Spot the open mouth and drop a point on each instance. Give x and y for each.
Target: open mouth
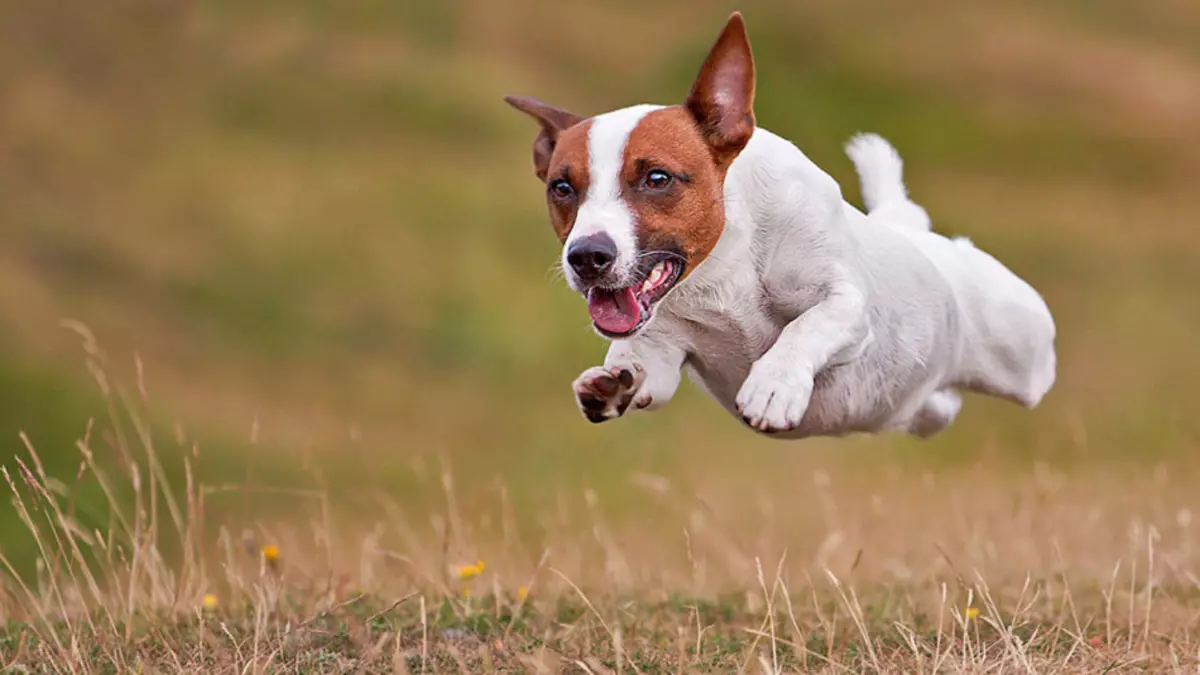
(621, 312)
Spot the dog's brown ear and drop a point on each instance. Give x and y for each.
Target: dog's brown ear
(553, 120)
(722, 98)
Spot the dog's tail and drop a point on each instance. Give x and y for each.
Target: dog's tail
(881, 172)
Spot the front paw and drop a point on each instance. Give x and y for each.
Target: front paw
(605, 392)
(774, 396)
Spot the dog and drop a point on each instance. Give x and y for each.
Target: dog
(703, 242)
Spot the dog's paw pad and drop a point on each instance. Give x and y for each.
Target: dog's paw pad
(605, 393)
(591, 403)
(625, 377)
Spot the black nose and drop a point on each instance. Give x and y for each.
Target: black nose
(592, 256)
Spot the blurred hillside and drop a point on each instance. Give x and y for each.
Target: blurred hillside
(321, 223)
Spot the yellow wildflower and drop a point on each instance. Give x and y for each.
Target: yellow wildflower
(522, 593)
(270, 553)
(972, 613)
(465, 572)
(209, 602)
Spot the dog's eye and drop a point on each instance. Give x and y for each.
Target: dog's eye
(658, 179)
(561, 189)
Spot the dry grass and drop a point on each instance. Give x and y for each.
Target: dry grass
(965, 570)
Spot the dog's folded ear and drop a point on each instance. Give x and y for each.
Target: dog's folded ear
(722, 97)
(553, 120)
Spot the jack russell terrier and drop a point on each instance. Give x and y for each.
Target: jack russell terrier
(706, 243)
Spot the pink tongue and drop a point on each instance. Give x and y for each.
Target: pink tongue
(614, 311)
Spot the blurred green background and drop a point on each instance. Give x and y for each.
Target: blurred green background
(317, 225)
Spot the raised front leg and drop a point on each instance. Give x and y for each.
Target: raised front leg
(642, 373)
(775, 395)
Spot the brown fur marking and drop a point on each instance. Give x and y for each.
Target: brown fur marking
(570, 163)
(553, 120)
(722, 97)
(689, 214)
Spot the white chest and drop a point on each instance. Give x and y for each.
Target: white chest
(725, 325)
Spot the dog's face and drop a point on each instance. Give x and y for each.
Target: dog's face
(637, 195)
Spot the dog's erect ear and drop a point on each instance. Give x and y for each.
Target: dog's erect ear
(722, 98)
(554, 121)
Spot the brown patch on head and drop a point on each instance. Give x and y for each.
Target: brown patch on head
(687, 214)
(674, 164)
(560, 159)
(569, 165)
(693, 145)
(553, 120)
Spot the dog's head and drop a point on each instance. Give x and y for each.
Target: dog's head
(637, 195)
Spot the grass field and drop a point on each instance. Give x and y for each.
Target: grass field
(880, 570)
(276, 277)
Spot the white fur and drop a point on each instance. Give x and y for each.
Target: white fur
(602, 209)
(882, 174)
(810, 317)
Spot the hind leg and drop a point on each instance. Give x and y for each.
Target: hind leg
(939, 411)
